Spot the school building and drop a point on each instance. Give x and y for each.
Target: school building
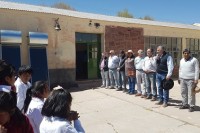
(65, 46)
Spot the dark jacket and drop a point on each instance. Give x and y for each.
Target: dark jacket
(105, 68)
(122, 63)
(162, 64)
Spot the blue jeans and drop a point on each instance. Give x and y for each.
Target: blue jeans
(113, 77)
(163, 94)
(122, 79)
(131, 83)
(151, 84)
(105, 79)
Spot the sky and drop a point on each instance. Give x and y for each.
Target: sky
(178, 11)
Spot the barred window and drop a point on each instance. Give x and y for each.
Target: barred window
(172, 45)
(194, 46)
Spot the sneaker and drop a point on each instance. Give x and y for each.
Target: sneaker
(131, 93)
(183, 107)
(159, 103)
(148, 97)
(138, 94)
(119, 89)
(153, 98)
(124, 90)
(143, 96)
(106, 87)
(111, 87)
(165, 104)
(191, 109)
(103, 86)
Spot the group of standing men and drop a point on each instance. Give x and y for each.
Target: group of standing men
(148, 73)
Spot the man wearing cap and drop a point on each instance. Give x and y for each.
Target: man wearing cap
(113, 63)
(164, 71)
(188, 76)
(140, 76)
(149, 68)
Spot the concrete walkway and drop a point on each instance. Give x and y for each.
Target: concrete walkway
(110, 111)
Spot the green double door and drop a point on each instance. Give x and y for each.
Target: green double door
(87, 59)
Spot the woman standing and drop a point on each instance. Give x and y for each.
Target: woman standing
(130, 71)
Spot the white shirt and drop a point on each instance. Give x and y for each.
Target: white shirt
(34, 113)
(149, 64)
(113, 62)
(138, 62)
(21, 89)
(170, 66)
(60, 125)
(189, 69)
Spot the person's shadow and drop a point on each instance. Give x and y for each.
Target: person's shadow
(174, 102)
(178, 103)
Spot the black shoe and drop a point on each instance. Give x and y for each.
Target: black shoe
(159, 103)
(153, 98)
(148, 97)
(183, 107)
(191, 109)
(165, 104)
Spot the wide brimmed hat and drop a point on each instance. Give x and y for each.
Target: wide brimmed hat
(167, 84)
(130, 51)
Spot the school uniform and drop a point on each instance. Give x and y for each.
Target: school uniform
(60, 125)
(34, 113)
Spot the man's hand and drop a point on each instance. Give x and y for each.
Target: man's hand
(196, 82)
(2, 129)
(168, 77)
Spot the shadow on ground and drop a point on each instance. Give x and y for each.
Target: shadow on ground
(86, 85)
(178, 103)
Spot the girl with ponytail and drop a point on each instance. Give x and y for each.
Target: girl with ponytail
(34, 102)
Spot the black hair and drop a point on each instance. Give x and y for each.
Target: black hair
(5, 70)
(132, 56)
(57, 104)
(25, 69)
(34, 91)
(121, 52)
(8, 104)
(186, 50)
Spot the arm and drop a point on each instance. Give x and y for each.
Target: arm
(123, 65)
(196, 71)
(78, 126)
(170, 67)
(143, 64)
(37, 117)
(20, 96)
(179, 71)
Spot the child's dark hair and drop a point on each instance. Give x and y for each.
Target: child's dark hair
(34, 91)
(5, 70)
(25, 69)
(8, 104)
(57, 104)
